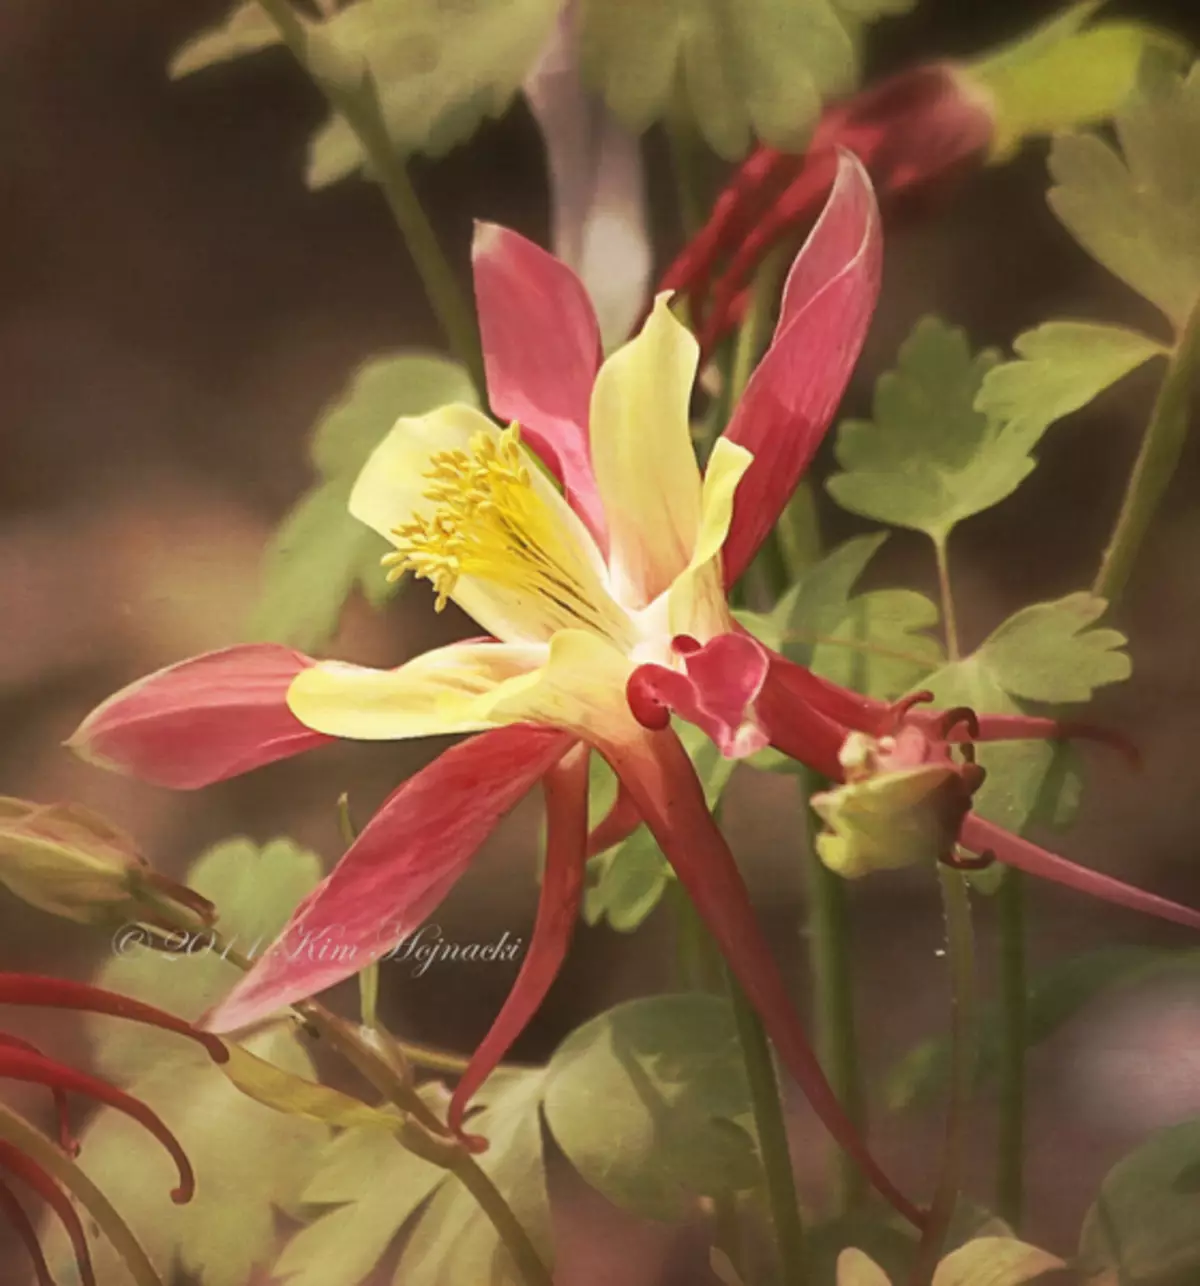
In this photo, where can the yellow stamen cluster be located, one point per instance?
(490, 523)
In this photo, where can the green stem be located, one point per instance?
(772, 1135)
(686, 160)
(361, 1048)
(1014, 1039)
(949, 619)
(960, 952)
(347, 84)
(508, 1227)
(829, 951)
(66, 1173)
(1156, 462)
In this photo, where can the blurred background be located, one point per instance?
(175, 310)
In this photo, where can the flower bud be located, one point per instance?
(68, 860)
(903, 801)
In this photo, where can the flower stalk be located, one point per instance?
(349, 88)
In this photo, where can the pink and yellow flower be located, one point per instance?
(604, 598)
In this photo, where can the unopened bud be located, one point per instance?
(70, 861)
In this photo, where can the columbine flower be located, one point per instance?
(19, 1060)
(607, 606)
(70, 861)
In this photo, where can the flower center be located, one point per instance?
(491, 523)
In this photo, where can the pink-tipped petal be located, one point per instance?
(716, 691)
(391, 878)
(66, 1138)
(792, 396)
(62, 993)
(541, 347)
(598, 216)
(14, 1214)
(566, 786)
(621, 820)
(658, 774)
(982, 836)
(201, 721)
(37, 1180)
(21, 1065)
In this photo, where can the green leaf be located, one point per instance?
(1061, 76)
(1046, 652)
(246, 30)
(439, 71)
(994, 1261)
(247, 1158)
(627, 881)
(249, 1161)
(374, 1186)
(320, 552)
(1049, 652)
(757, 68)
(1056, 996)
(454, 1242)
(875, 643)
(929, 459)
(1137, 211)
(1061, 366)
(649, 1102)
(1141, 1231)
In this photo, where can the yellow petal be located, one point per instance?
(857, 1269)
(449, 690)
(530, 565)
(642, 453)
(580, 688)
(696, 603)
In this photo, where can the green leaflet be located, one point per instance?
(454, 1241)
(929, 459)
(438, 69)
(372, 1186)
(255, 891)
(759, 68)
(1056, 996)
(320, 552)
(650, 1103)
(876, 643)
(1060, 367)
(1141, 1231)
(1061, 75)
(1137, 211)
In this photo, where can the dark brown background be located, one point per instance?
(175, 309)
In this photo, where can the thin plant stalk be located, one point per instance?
(772, 1136)
(1013, 1020)
(1156, 462)
(347, 85)
(828, 934)
(960, 955)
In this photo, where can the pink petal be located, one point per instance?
(792, 396)
(402, 865)
(541, 347)
(21, 1065)
(716, 691)
(201, 721)
(598, 213)
(566, 786)
(34, 1177)
(982, 836)
(808, 717)
(621, 820)
(656, 771)
(14, 1213)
